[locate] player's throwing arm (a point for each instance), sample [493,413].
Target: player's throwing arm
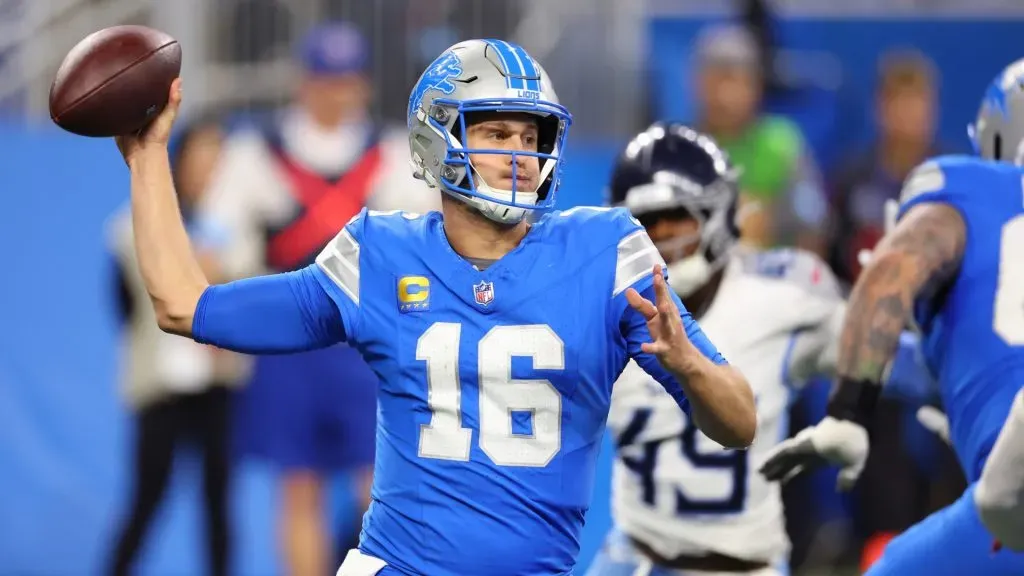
[171,272]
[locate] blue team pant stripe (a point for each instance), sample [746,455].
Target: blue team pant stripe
[529,69]
[511,63]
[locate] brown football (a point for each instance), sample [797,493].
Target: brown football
[114,81]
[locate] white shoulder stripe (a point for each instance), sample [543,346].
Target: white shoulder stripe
[636,258]
[340,260]
[927,177]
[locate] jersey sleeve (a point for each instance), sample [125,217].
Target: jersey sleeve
[635,258]
[340,267]
[279,313]
[937,180]
[814,317]
[954,181]
[813,348]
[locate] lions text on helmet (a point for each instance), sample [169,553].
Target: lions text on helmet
[490,92]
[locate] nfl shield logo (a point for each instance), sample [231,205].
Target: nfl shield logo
[484,293]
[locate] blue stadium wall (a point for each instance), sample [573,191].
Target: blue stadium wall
[65,433]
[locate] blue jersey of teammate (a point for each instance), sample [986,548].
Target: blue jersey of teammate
[495,384]
[973,331]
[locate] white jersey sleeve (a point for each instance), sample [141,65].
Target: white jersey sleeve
[816,310]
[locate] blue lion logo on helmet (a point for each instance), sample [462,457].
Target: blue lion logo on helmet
[438,76]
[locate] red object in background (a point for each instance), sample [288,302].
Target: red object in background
[327,208]
[874,548]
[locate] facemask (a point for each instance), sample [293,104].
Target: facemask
[500,212]
[685,276]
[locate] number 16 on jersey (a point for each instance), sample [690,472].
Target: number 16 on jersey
[500,395]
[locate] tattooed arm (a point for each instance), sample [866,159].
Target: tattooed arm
[917,259]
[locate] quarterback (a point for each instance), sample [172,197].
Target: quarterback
[496,340]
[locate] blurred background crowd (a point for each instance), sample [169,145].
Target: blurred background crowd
[125,448]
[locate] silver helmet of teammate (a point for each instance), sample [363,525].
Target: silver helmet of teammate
[998,132]
[484,76]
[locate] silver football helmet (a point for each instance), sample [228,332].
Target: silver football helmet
[998,132]
[484,76]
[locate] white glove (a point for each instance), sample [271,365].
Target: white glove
[842,443]
[935,421]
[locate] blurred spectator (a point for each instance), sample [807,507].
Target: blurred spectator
[896,489]
[905,103]
[282,192]
[782,202]
[177,389]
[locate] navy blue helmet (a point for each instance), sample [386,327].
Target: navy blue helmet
[672,171]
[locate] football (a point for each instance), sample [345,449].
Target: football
[114,81]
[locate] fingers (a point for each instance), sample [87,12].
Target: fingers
[657,347]
[789,459]
[160,129]
[661,292]
[173,99]
[779,466]
[796,471]
[641,304]
[935,421]
[847,478]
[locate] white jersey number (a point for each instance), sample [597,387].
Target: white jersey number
[732,465]
[501,396]
[1008,320]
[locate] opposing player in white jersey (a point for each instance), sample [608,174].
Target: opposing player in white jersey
[683,503]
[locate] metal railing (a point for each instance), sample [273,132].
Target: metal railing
[238,52]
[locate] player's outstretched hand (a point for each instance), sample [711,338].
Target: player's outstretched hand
[842,443]
[157,132]
[670,344]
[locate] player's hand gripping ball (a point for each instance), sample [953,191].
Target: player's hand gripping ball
[115,81]
[157,132]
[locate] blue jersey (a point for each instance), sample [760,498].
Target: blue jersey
[973,331]
[495,384]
